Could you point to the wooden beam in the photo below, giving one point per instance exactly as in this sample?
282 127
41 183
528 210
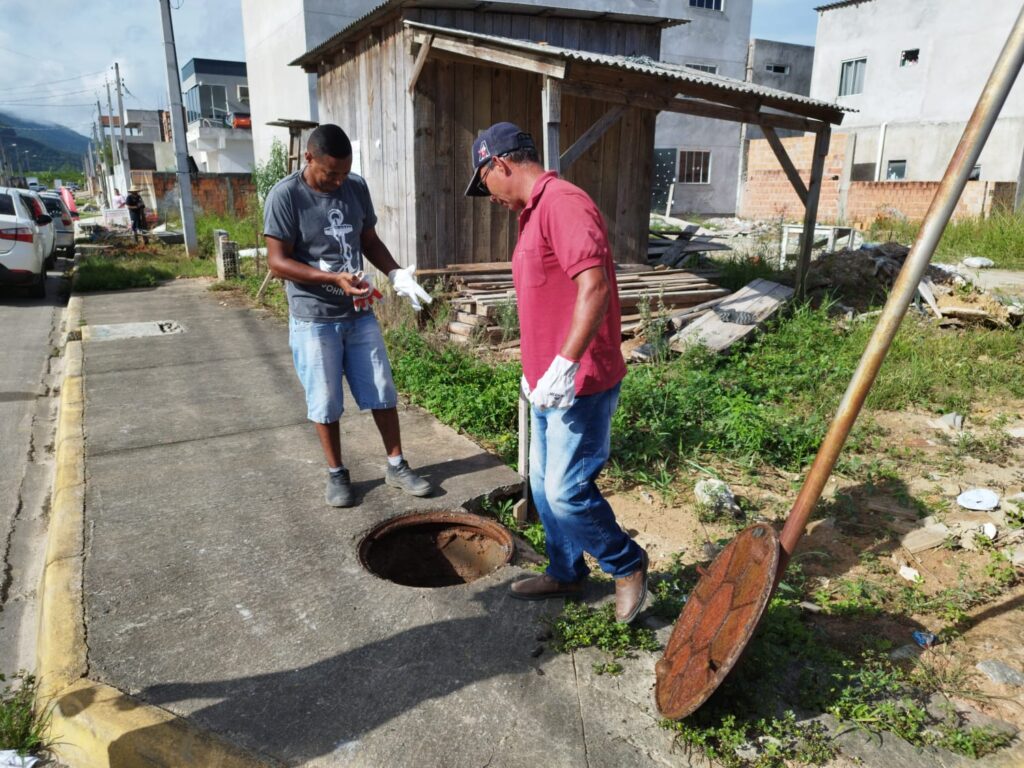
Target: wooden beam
787 165
421 59
662 102
496 56
821 142
551 112
589 137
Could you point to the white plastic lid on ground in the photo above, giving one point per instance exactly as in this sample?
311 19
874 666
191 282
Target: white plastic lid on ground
981 499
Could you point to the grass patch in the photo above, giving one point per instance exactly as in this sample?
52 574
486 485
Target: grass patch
1000 237
24 723
138 268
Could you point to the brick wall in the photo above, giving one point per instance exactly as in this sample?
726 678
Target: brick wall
220 193
767 193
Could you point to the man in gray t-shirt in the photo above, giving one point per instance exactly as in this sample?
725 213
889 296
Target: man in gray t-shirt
319 224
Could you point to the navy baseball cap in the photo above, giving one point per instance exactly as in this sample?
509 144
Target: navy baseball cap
500 139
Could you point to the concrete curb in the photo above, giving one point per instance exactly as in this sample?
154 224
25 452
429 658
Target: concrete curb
92 723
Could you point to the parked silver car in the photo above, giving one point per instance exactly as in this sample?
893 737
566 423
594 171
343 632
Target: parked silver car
63 224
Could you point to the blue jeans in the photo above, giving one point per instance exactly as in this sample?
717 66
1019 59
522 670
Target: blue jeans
324 352
568 449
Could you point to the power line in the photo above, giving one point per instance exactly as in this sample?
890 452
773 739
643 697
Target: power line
50 82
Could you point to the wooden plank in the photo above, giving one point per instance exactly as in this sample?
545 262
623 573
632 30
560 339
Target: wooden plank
421 60
480 51
787 164
551 106
761 298
501 218
426 154
465 132
388 208
821 142
481 219
590 137
448 193
410 244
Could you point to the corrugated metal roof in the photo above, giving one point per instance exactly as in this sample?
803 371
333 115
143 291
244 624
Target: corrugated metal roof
640 64
840 4
357 26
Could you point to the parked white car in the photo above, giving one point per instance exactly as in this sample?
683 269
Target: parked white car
49 231
63 225
23 246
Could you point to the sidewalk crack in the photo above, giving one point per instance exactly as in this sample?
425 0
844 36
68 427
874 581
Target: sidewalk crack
579 703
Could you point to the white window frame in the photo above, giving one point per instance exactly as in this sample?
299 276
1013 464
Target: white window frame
709 5
842 76
243 98
711 69
705 171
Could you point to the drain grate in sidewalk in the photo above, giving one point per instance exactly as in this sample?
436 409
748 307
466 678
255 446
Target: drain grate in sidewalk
131 330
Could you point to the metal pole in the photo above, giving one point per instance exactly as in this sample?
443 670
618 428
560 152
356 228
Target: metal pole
188 221
125 161
952 186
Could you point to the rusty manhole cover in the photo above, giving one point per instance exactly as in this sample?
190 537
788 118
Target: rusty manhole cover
436 549
717 622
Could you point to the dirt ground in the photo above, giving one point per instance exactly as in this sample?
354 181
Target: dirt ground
856 531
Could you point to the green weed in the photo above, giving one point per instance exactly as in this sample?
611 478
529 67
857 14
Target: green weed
24 723
532 532
1000 237
128 269
581 626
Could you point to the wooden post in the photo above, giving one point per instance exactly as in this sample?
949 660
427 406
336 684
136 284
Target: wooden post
821 142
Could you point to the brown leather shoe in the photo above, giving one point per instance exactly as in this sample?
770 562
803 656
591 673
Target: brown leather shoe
630 593
543 587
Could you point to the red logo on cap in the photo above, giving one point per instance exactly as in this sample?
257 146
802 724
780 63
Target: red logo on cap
483 152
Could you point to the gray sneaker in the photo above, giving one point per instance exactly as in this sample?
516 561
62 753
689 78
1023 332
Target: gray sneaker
339 489
403 477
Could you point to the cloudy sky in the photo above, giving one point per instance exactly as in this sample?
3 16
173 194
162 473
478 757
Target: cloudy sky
55 55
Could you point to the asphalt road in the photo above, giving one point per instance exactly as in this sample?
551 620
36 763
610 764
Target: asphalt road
28 372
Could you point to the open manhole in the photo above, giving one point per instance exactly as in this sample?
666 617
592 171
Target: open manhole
436 549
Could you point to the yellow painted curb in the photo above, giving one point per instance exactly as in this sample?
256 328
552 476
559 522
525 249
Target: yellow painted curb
94 725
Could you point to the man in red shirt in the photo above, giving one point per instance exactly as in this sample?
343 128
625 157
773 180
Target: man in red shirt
572 365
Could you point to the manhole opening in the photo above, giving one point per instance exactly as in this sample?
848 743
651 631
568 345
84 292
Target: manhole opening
436 549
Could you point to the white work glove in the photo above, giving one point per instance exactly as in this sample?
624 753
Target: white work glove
405 284
557 387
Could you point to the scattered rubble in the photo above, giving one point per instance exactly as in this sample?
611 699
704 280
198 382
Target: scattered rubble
717 497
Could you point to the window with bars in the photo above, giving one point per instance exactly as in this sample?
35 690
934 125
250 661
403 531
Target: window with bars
712 68
851 77
711 5
694 166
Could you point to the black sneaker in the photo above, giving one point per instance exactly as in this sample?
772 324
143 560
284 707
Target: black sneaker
403 477
339 489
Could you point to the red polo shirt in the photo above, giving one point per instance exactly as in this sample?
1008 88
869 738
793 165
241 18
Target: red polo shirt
562 233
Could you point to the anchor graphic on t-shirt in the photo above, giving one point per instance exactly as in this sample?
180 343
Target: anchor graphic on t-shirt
339 230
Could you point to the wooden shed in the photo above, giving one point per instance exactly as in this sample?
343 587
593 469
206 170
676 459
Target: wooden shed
413 83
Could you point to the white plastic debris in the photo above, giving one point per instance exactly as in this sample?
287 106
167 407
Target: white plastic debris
9 758
978 262
981 499
953 420
910 574
989 531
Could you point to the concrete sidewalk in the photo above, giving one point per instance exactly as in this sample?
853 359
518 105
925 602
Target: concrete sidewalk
218 586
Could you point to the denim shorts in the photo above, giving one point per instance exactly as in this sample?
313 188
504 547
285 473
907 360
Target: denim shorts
326 352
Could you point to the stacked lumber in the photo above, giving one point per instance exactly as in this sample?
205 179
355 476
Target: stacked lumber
484 293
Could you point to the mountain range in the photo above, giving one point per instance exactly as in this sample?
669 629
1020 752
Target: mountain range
51 146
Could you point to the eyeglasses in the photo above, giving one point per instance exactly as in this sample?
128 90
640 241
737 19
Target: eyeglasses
481 185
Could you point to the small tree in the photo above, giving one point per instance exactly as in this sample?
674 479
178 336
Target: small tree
267 174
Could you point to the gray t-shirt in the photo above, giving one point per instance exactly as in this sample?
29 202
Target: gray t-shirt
324 229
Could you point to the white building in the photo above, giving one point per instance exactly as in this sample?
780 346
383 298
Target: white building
218 125
914 70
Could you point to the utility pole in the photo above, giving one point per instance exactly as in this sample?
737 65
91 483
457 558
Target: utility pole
188 221
98 136
125 162
5 168
114 154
